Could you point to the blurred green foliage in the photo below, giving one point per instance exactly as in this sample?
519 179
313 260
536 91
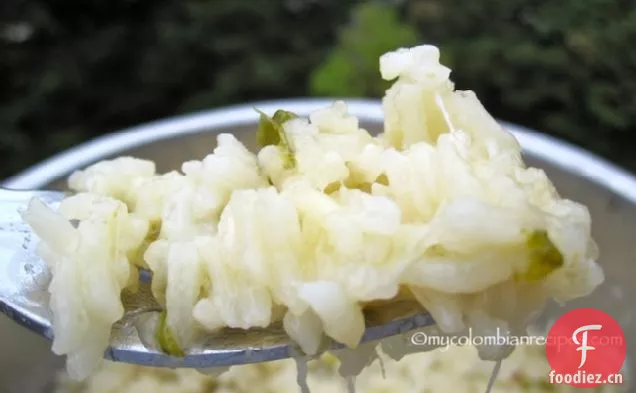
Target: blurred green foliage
351 70
94 66
70 71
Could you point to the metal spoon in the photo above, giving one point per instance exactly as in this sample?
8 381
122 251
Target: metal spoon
24 297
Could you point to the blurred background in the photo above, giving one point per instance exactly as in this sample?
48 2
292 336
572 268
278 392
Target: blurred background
70 71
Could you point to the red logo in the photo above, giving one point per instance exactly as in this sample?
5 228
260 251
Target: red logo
586 348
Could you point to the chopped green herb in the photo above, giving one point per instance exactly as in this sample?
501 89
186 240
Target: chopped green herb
332 188
382 179
544 257
436 250
136 256
270 132
166 339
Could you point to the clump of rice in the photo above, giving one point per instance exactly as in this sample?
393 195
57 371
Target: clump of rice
323 219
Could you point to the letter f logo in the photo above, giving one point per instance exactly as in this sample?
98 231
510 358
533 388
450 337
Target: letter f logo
583 343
